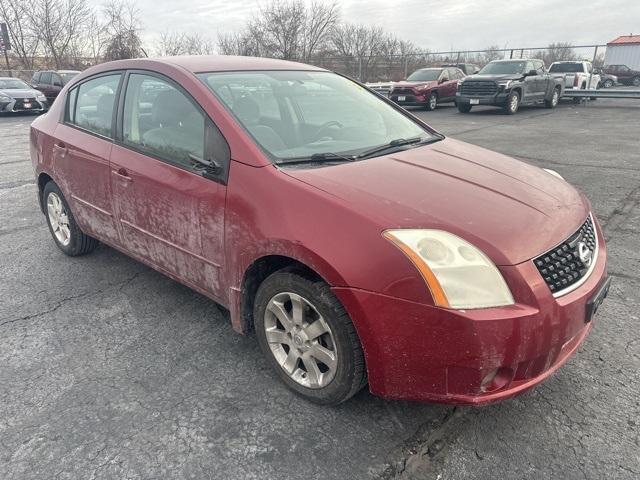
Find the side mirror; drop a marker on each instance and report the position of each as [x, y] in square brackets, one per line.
[442, 80]
[532, 73]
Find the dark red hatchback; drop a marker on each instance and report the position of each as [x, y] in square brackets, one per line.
[360, 244]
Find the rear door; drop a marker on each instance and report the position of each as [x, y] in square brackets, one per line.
[169, 211]
[81, 153]
[56, 84]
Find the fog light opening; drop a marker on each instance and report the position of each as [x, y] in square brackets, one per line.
[495, 379]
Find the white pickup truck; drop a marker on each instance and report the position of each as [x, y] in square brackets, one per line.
[577, 75]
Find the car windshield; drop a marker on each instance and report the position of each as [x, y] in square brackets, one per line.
[566, 68]
[304, 114]
[66, 76]
[13, 84]
[424, 75]
[503, 68]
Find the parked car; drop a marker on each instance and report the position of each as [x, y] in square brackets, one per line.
[383, 88]
[576, 76]
[17, 96]
[467, 68]
[50, 82]
[427, 87]
[509, 84]
[362, 246]
[606, 80]
[626, 75]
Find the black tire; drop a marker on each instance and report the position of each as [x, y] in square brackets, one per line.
[512, 104]
[635, 81]
[350, 373]
[79, 243]
[555, 98]
[464, 107]
[432, 103]
[608, 83]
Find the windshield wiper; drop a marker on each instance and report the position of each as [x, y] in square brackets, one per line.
[317, 158]
[398, 142]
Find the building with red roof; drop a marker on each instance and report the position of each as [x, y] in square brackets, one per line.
[624, 50]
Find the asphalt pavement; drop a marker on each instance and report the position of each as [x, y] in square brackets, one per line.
[110, 370]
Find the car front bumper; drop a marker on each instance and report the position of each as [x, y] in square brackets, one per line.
[17, 106]
[472, 357]
[497, 99]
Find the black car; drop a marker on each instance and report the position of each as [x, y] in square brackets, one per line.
[18, 96]
[509, 84]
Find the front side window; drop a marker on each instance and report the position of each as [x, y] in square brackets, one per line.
[427, 75]
[45, 77]
[162, 121]
[503, 68]
[91, 104]
[298, 114]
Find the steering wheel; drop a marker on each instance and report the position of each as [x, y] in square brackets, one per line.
[325, 126]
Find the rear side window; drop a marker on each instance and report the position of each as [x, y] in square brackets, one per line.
[45, 77]
[162, 121]
[91, 104]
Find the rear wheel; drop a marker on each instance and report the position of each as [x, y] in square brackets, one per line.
[63, 227]
[635, 81]
[513, 103]
[308, 338]
[608, 83]
[432, 103]
[464, 107]
[553, 101]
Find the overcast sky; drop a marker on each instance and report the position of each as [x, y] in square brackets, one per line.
[436, 25]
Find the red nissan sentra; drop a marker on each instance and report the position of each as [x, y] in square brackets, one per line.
[361, 245]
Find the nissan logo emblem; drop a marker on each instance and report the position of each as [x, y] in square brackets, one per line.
[585, 254]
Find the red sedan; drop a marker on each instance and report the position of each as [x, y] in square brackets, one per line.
[361, 245]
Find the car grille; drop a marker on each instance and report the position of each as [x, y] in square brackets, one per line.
[562, 267]
[403, 91]
[19, 105]
[479, 88]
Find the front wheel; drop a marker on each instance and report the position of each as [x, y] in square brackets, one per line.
[308, 338]
[63, 227]
[513, 103]
[433, 102]
[635, 81]
[553, 101]
[464, 107]
[608, 83]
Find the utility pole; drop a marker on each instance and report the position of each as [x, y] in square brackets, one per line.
[5, 45]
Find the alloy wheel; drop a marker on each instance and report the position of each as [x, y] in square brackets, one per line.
[58, 219]
[433, 102]
[555, 98]
[513, 103]
[300, 340]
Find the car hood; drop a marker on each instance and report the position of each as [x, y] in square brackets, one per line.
[405, 83]
[509, 209]
[21, 93]
[508, 76]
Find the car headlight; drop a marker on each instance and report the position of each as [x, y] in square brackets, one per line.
[504, 85]
[4, 96]
[554, 173]
[457, 273]
[41, 98]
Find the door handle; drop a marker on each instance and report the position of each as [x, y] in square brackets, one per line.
[61, 146]
[122, 174]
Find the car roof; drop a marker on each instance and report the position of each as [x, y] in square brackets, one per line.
[210, 63]
[12, 78]
[516, 60]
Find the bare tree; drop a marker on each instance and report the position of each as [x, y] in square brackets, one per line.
[59, 23]
[245, 44]
[557, 52]
[490, 54]
[319, 22]
[279, 27]
[23, 37]
[180, 43]
[122, 31]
